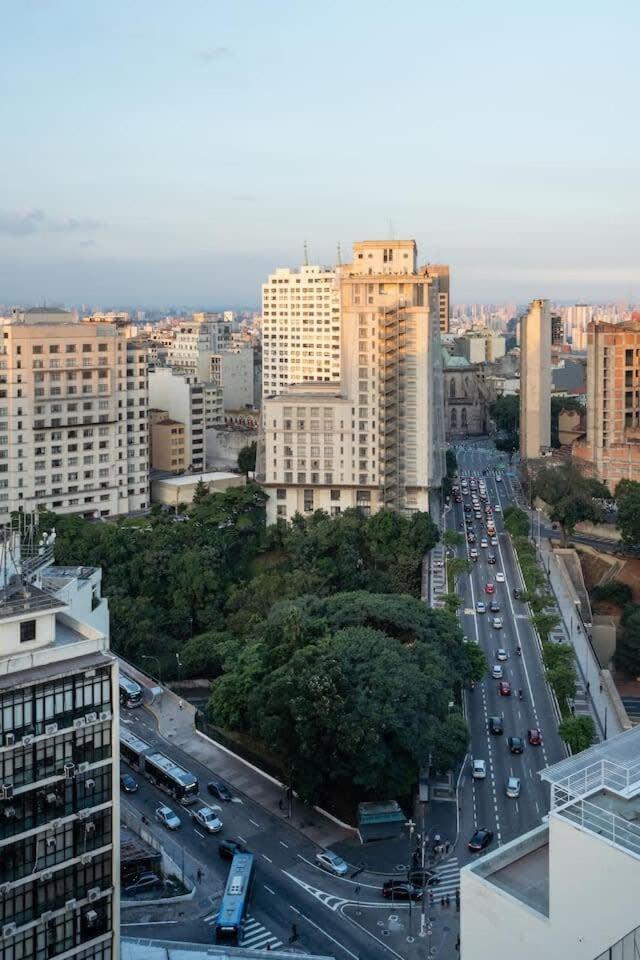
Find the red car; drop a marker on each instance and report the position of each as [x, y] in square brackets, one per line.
[504, 688]
[535, 737]
[490, 588]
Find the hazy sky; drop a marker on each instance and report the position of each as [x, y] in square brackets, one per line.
[175, 152]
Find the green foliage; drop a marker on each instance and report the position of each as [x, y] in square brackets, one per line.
[614, 591]
[505, 412]
[247, 458]
[545, 623]
[578, 732]
[458, 565]
[627, 655]
[203, 656]
[201, 492]
[452, 538]
[559, 661]
[628, 503]
[516, 522]
[569, 494]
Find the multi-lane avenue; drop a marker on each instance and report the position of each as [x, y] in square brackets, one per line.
[484, 801]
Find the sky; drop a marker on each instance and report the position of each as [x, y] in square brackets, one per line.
[161, 153]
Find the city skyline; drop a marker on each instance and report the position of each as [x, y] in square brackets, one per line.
[181, 158]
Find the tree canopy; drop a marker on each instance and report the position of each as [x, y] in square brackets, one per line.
[628, 503]
[569, 494]
[247, 458]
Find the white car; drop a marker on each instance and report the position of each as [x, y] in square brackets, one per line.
[513, 787]
[208, 819]
[332, 862]
[498, 478]
[496, 623]
[496, 671]
[479, 769]
[499, 577]
[484, 542]
[501, 654]
[497, 508]
[494, 541]
[167, 818]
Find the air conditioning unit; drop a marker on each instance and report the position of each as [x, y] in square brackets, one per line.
[90, 827]
[9, 739]
[28, 740]
[91, 717]
[6, 791]
[55, 824]
[46, 916]
[83, 767]
[51, 728]
[90, 784]
[8, 930]
[70, 905]
[51, 843]
[69, 769]
[9, 812]
[85, 859]
[78, 723]
[93, 894]
[105, 715]
[46, 875]
[91, 917]
[4, 889]
[52, 798]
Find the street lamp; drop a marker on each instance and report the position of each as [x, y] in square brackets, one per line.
[538, 511]
[179, 667]
[157, 659]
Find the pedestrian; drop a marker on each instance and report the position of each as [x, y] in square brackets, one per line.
[588, 686]
[180, 704]
[573, 710]
[199, 875]
[268, 946]
[447, 847]
[294, 933]
[601, 688]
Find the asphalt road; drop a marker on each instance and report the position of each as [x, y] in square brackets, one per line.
[484, 802]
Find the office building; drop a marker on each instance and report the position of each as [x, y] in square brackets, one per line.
[569, 887]
[184, 399]
[300, 328]
[73, 416]
[441, 271]
[557, 330]
[535, 380]
[59, 761]
[233, 371]
[166, 449]
[375, 437]
[612, 444]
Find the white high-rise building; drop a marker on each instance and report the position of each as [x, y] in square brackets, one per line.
[300, 328]
[578, 318]
[73, 416]
[569, 887]
[535, 380]
[59, 760]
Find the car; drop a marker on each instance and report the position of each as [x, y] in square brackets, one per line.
[480, 840]
[504, 688]
[401, 890]
[491, 558]
[227, 849]
[489, 588]
[484, 542]
[516, 593]
[498, 478]
[481, 607]
[479, 770]
[421, 877]
[496, 672]
[145, 881]
[494, 541]
[516, 744]
[467, 508]
[471, 537]
[501, 654]
[167, 817]
[332, 862]
[496, 726]
[499, 577]
[498, 508]
[512, 788]
[218, 790]
[458, 498]
[496, 623]
[207, 818]
[478, 515]
[128, 784]
[473, 554]
[494, 606]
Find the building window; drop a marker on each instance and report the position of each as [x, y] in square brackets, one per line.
[308, 500]
[281, 493]
[27, 631]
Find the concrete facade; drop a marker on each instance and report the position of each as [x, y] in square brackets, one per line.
[467, 397]
[167, 449]
[174, 491]
[535, 380]
[184, 400]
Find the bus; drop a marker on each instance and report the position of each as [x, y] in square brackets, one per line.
[164, 773]
[130, 692]
[235, 900]
[132, 749]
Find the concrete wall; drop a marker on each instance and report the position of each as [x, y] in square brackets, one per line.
[224, 444]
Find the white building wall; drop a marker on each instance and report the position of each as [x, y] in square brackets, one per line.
[184, 398]
[237, 378]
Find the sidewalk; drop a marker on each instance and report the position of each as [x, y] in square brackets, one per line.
[177, 725]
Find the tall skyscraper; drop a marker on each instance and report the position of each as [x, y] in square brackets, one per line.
[375, 436]
[535, 380]
[300, 328]
[59, 758]
[613, 402]
[73, 416]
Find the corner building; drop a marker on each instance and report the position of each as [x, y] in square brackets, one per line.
[59, 798]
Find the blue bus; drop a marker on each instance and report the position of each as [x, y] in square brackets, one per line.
[235, 901]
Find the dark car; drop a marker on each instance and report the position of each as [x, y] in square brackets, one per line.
[218, 790]
[401, 890]
[491, 558]
[516, 744]
[467, 508]
[516, 593]
[494, 606]
[534, 737]
[128, 784]
[496, 725]
[480, 840]
[144, 882]
[421, 877]
[227, 849]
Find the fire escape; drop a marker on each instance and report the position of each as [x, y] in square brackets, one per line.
[393, 322]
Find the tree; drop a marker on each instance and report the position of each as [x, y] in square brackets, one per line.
[505, 412]
[451, 538]
[569, 494]
[627, 655]
[201, 492]
[516, 522]
[628, 503]
[545, 623]
[578, 732]
[458, 566]
[247, 458]
[613, 591]
[203, 656]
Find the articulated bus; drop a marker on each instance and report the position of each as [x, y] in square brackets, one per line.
[130, 692]
[132, 749]
[235, 901]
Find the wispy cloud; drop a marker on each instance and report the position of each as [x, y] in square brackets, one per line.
[212, 54]
[22, 223]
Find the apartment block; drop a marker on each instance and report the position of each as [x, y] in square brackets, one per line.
[167, 447]
[73, 416]
[441, 271]
[612, 444]
[59, 761]
[184, 400]
[535, 380]
[568, 888]
[300, 328]
[195, 341]
[233, 371]
[376, 437]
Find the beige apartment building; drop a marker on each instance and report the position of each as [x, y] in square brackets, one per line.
[73, 416]
[613, 402]
[300, 328]
[167, 446]
[535, 380]
[376, 437]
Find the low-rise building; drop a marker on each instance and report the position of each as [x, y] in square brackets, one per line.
[167, 447]
[174, 491]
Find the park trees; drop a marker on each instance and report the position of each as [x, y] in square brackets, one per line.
[628, 503]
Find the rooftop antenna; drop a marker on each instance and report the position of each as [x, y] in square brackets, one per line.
[339, 255]
[305, 261]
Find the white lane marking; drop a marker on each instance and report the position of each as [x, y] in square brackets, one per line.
[315, 866]
[268, 859]
[337, 942]
[283, 844]
[241, 839]
[200, 834]
[254, 823]
[272, 892]
[148, 923]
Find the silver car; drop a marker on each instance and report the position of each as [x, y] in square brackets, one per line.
[208, 819]
[513, 788]
[479, 769]
[332, 862]
[496, 671]
[167, 818]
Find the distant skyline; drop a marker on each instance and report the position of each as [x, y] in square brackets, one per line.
[163, 153]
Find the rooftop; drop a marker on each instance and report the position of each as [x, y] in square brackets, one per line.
[20, 598]
[520, 868]
[143, 949]
[196, 477]
[613, 764]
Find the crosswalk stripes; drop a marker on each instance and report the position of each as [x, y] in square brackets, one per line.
[449, 874]
[254, 934]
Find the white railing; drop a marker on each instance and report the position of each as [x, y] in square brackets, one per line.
[589, 816]
[618, 777]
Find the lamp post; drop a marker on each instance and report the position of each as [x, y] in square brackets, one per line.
[157, 659]
[538, 512]
[179, 661]
[411, 824]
